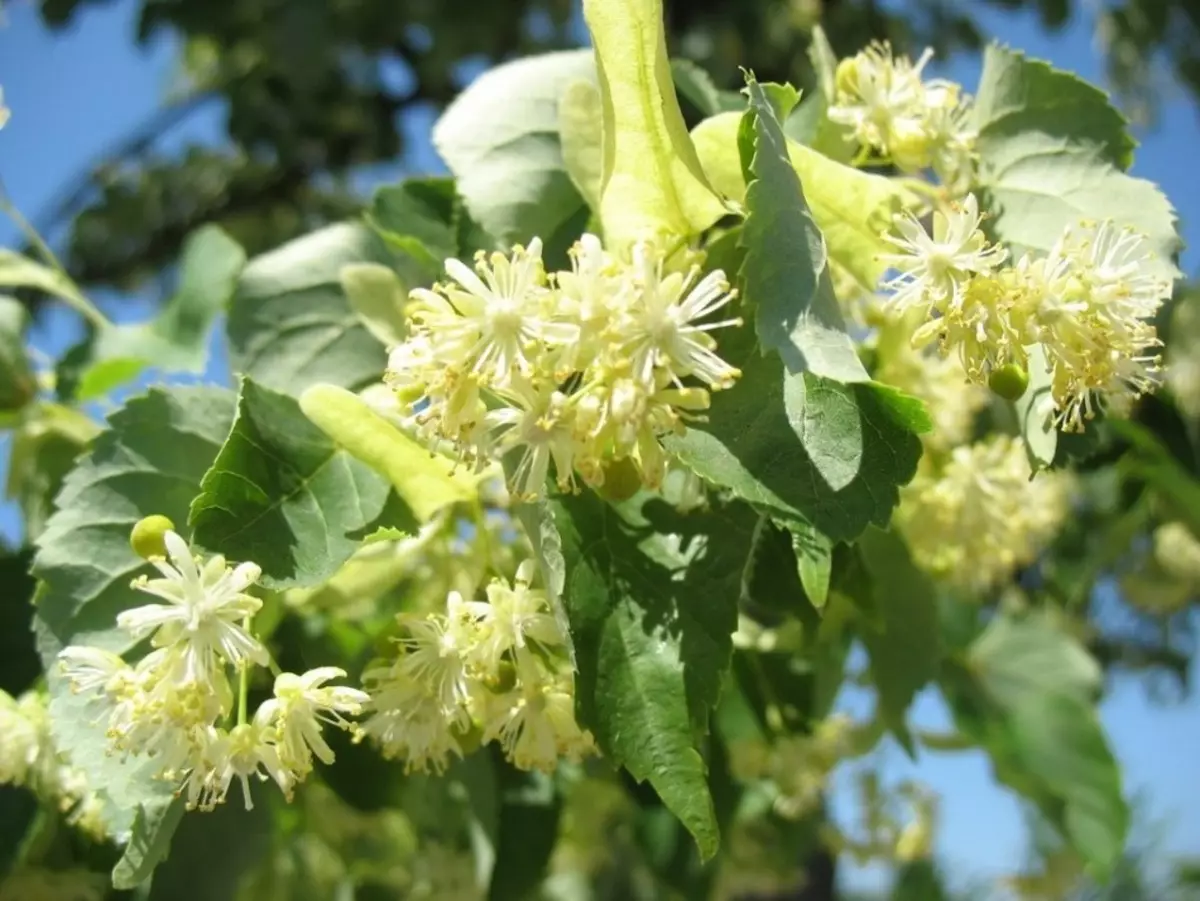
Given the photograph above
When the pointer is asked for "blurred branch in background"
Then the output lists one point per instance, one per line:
(314, 90)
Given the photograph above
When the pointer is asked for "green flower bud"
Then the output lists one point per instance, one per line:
(845, 79)
(1009, 381)
(622, 479)
(147, 536)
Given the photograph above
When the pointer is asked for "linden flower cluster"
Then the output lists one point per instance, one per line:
(176, 705)
(915, 124)
(494, 669)
(29, 758)
(1169, 579)
(580, 369)
(975, 518)
(939, 381)
(1087, 302)
(798, 765)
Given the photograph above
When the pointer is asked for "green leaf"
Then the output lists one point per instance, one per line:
(178, 338)
(814, 561)
(500, 139)
(786, 275)
(425, 481)
(1026, 694)
(153, 827)
(283, 494)
(1034, 409)
(1018, 94)
(852, 209)
(417, 217)
(527, 832)
(1015, 659)
(537, 519)
(805, 449)
(579, 126)
(377, 295)
(291, 326)
(18, 271)
(652, 652)
(212, 852)
(43, 451)
(1150, 459)
(653, 182)
(1051, 151)
(150, 460)
(906, 654)
(18, 384)
(696, 86)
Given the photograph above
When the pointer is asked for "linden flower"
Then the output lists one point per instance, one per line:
(891, 110)
(934, 270)
(205, 607)
(246, 750)
(301, 704)
(538, 425)
(486, 323)
(664, 326)
(1097, 293)
(408, 720)
(511, 617)
(535, 724)
(21, 741)
(877, 95)
(973, 520)
(568, 373)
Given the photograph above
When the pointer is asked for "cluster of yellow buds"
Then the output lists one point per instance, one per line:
(1088, 302)
(581, 370)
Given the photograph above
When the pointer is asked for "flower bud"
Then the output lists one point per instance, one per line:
(147, 536)
(621, 480)
(1009, 381)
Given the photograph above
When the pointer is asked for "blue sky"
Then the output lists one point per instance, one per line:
(76, 93)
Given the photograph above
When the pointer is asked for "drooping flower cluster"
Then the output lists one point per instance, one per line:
(893, 112)
(495, 668)
(177, 706)
(1088, 302)
(973, 519)
(29, 758)
(1169, 579)
(799, 766)
(578, 370)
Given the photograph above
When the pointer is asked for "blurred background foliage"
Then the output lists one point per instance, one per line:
(316, 89)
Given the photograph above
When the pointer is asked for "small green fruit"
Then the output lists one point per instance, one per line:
(147, 536)
(1009, 381)
(622, 479)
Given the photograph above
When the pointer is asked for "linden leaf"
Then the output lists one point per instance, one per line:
(1051, 152)
(786, 273)
(852, 209)
(652, 180)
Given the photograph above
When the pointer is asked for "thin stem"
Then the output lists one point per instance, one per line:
(243, 683)
(69, 291)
